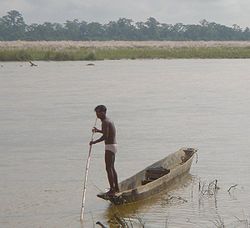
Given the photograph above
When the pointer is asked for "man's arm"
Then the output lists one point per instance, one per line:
(104, 131)
(96, 130)
(97, 141)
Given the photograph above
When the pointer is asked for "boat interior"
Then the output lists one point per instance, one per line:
(157, 170)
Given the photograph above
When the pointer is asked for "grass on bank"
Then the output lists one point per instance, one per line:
(25, 54)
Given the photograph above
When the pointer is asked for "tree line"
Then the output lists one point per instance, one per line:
(13, 27)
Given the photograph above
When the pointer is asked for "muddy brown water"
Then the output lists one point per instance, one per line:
(159, 106)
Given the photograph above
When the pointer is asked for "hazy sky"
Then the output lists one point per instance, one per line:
(227, 12)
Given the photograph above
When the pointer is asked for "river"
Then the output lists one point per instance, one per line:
(158, 106)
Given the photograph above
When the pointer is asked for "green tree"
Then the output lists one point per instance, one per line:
(83, 27)
(73, 30)
(112, 30)
(126, 29)
(165, 31)
(152, 31)
(123, 29)
(12, 26)
(46, 31)
(95, 31)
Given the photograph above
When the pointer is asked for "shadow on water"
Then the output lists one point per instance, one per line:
(131, 211)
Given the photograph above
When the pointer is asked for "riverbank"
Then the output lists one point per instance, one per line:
(111, 50)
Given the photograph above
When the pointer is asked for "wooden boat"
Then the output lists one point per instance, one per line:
(153, 179)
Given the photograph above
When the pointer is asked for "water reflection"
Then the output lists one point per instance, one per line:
(132, 212)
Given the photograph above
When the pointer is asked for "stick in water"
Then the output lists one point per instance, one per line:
(86, 176)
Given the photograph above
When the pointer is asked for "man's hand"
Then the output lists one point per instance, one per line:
(94, 130)
(91, 143)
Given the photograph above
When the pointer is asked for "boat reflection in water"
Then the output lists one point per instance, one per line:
(131, 212)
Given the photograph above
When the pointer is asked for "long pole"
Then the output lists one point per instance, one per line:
(86, 176)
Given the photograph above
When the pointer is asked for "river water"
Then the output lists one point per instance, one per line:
(158, 106)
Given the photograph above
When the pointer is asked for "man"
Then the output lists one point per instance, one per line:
(109, 137)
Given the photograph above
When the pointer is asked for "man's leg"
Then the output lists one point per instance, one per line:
(109, 160)
(115, 176)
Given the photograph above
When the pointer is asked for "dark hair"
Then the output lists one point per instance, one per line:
(100, 108)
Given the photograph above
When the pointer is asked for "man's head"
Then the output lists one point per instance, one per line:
(100, 111)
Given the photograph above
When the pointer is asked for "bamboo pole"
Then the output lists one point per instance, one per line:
(86, 177)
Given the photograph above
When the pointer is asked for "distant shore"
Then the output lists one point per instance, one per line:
(111, 50)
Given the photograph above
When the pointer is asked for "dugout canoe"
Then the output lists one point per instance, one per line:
(154, 178)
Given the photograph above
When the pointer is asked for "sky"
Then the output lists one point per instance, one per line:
(226, 12)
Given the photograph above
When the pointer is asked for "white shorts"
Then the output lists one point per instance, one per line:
(111, 147)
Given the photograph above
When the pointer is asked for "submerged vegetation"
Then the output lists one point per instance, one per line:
(114, 53)
(201, 193)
